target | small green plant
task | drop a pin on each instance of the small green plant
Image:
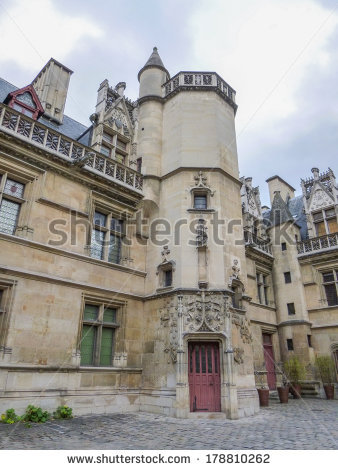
(10, 417)
(35, 415)
(326, 369)
(294, 370)
(63, 412)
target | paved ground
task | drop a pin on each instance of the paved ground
(301, 424)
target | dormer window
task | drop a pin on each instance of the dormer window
(26, 102)
(114, 147)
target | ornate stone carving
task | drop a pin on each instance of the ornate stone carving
(238, 355)
(235, 270)
(243, 324)
(169, 320)
(201, 183)
(164, 253)
(201, 233)
(320, 199)
(203, 313)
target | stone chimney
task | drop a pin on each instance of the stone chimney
(51, 86)
(277, 184)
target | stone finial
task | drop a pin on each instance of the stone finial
(315, 172)
(120, 87)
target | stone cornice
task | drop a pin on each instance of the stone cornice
(294, 323)
(62, 207)
(69, 254)
(42, 277)
(67, 368)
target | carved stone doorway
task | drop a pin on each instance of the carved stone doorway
(204, 377)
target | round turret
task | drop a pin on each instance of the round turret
(152, 76)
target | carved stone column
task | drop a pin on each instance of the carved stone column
(231, 402)
(181, 364)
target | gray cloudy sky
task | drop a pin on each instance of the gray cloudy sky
(281, 56)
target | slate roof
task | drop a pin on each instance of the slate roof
(295, 208)
(154, 61)
(69, 127)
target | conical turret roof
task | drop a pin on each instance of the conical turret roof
(154, 61)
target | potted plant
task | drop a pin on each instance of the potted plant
(295, 373)
(283, 390)
(263, 391)
(326, 370)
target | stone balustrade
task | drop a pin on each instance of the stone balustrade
(200, 80)
(317, 244)
(257, 242)
(40, 135)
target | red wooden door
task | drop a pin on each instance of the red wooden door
(269, 361)
(204, 377)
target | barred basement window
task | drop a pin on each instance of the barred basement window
(11, 198)
(330, 283)
(98, 331)
(106, 241)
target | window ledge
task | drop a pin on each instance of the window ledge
(109, 369)
(203, 211)
(165, 289)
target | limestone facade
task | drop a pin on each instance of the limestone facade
(130, 250)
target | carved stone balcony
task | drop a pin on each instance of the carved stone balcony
(318, 244)
(34, 132)
(257, 242)
(200, 81)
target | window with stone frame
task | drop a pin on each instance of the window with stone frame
(98, 335)
(11, 200)
(289, 344)
(165, 273)
(330, 285)
(106, 237)
(113, 146)
(200, 200)
(262, 282)
(291, 308)
(325, 221)
(287, 277)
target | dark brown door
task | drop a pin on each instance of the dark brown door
(204, 377)
(269, 361)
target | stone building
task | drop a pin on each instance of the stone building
(138, 272)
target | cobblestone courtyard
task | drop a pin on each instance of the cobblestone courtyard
(301, 424)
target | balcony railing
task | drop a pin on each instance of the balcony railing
(42, 136)
(252, 240)
(325, 242)
(199, 80)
